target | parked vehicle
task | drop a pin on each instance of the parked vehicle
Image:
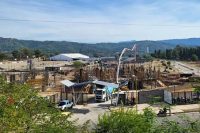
(101, 95)
(65, 104)
(103, 90)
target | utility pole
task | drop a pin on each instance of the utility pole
(134, 79)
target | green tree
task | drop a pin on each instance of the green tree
(16, 54)
(168, 53)
(148, 57)
(3, 56)
(197, 90)
(175, 54)
(25, 52)
(163, 55)
(37, 53)
(179, 53)
(22, 110)
(194, 57)
(77, 64)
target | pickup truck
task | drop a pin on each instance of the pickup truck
(65, 104)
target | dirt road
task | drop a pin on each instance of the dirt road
(185, 68)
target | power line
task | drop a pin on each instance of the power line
(99, 23)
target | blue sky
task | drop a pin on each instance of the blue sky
(100, 20)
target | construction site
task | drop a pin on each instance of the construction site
(116, 82)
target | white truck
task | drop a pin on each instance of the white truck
(103, 90)
(101, 95)
(65, 104)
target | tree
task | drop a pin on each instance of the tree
(179, 53)
(168, 53)
(163, 55)
(25, 52)
(148, 57)
(175, 54)
(37, 53)
(16, 54)
(77, 64)
(22, 110)
(3, 56)
(194, 57)
(197, 90)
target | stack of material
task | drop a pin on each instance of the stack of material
(87, 88)
(124, 88)
(161, 83)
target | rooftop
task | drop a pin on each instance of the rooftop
(75, 55)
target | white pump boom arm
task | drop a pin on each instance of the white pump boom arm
(119, 61)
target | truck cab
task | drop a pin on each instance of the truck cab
(103, 90)
(100, 95)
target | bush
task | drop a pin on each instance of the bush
(126, 121)
(77, 64)
(168, 63)
(195, 57)
(129, 121)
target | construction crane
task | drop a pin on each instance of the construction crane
(119, 63)
(120, 57)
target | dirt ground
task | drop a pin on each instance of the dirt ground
(160, 65)
(195, 64)
(91, 111)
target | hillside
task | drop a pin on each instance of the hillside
(97, 49)
(8, 45)
(186, 42)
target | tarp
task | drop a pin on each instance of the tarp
(106, 84)
(71, 84)
(76, 85)
(69, 57)
(67, 83)
(60, 57)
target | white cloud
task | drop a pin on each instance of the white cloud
(148, 17)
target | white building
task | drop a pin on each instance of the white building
(69, 57)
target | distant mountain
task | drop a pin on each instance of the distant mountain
(186, 42)
(141, 46)
(96, 49)
(8, 45)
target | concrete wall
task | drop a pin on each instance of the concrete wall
(81, 97)
(167, 96)
(146, 96)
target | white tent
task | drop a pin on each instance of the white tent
(69, 57)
